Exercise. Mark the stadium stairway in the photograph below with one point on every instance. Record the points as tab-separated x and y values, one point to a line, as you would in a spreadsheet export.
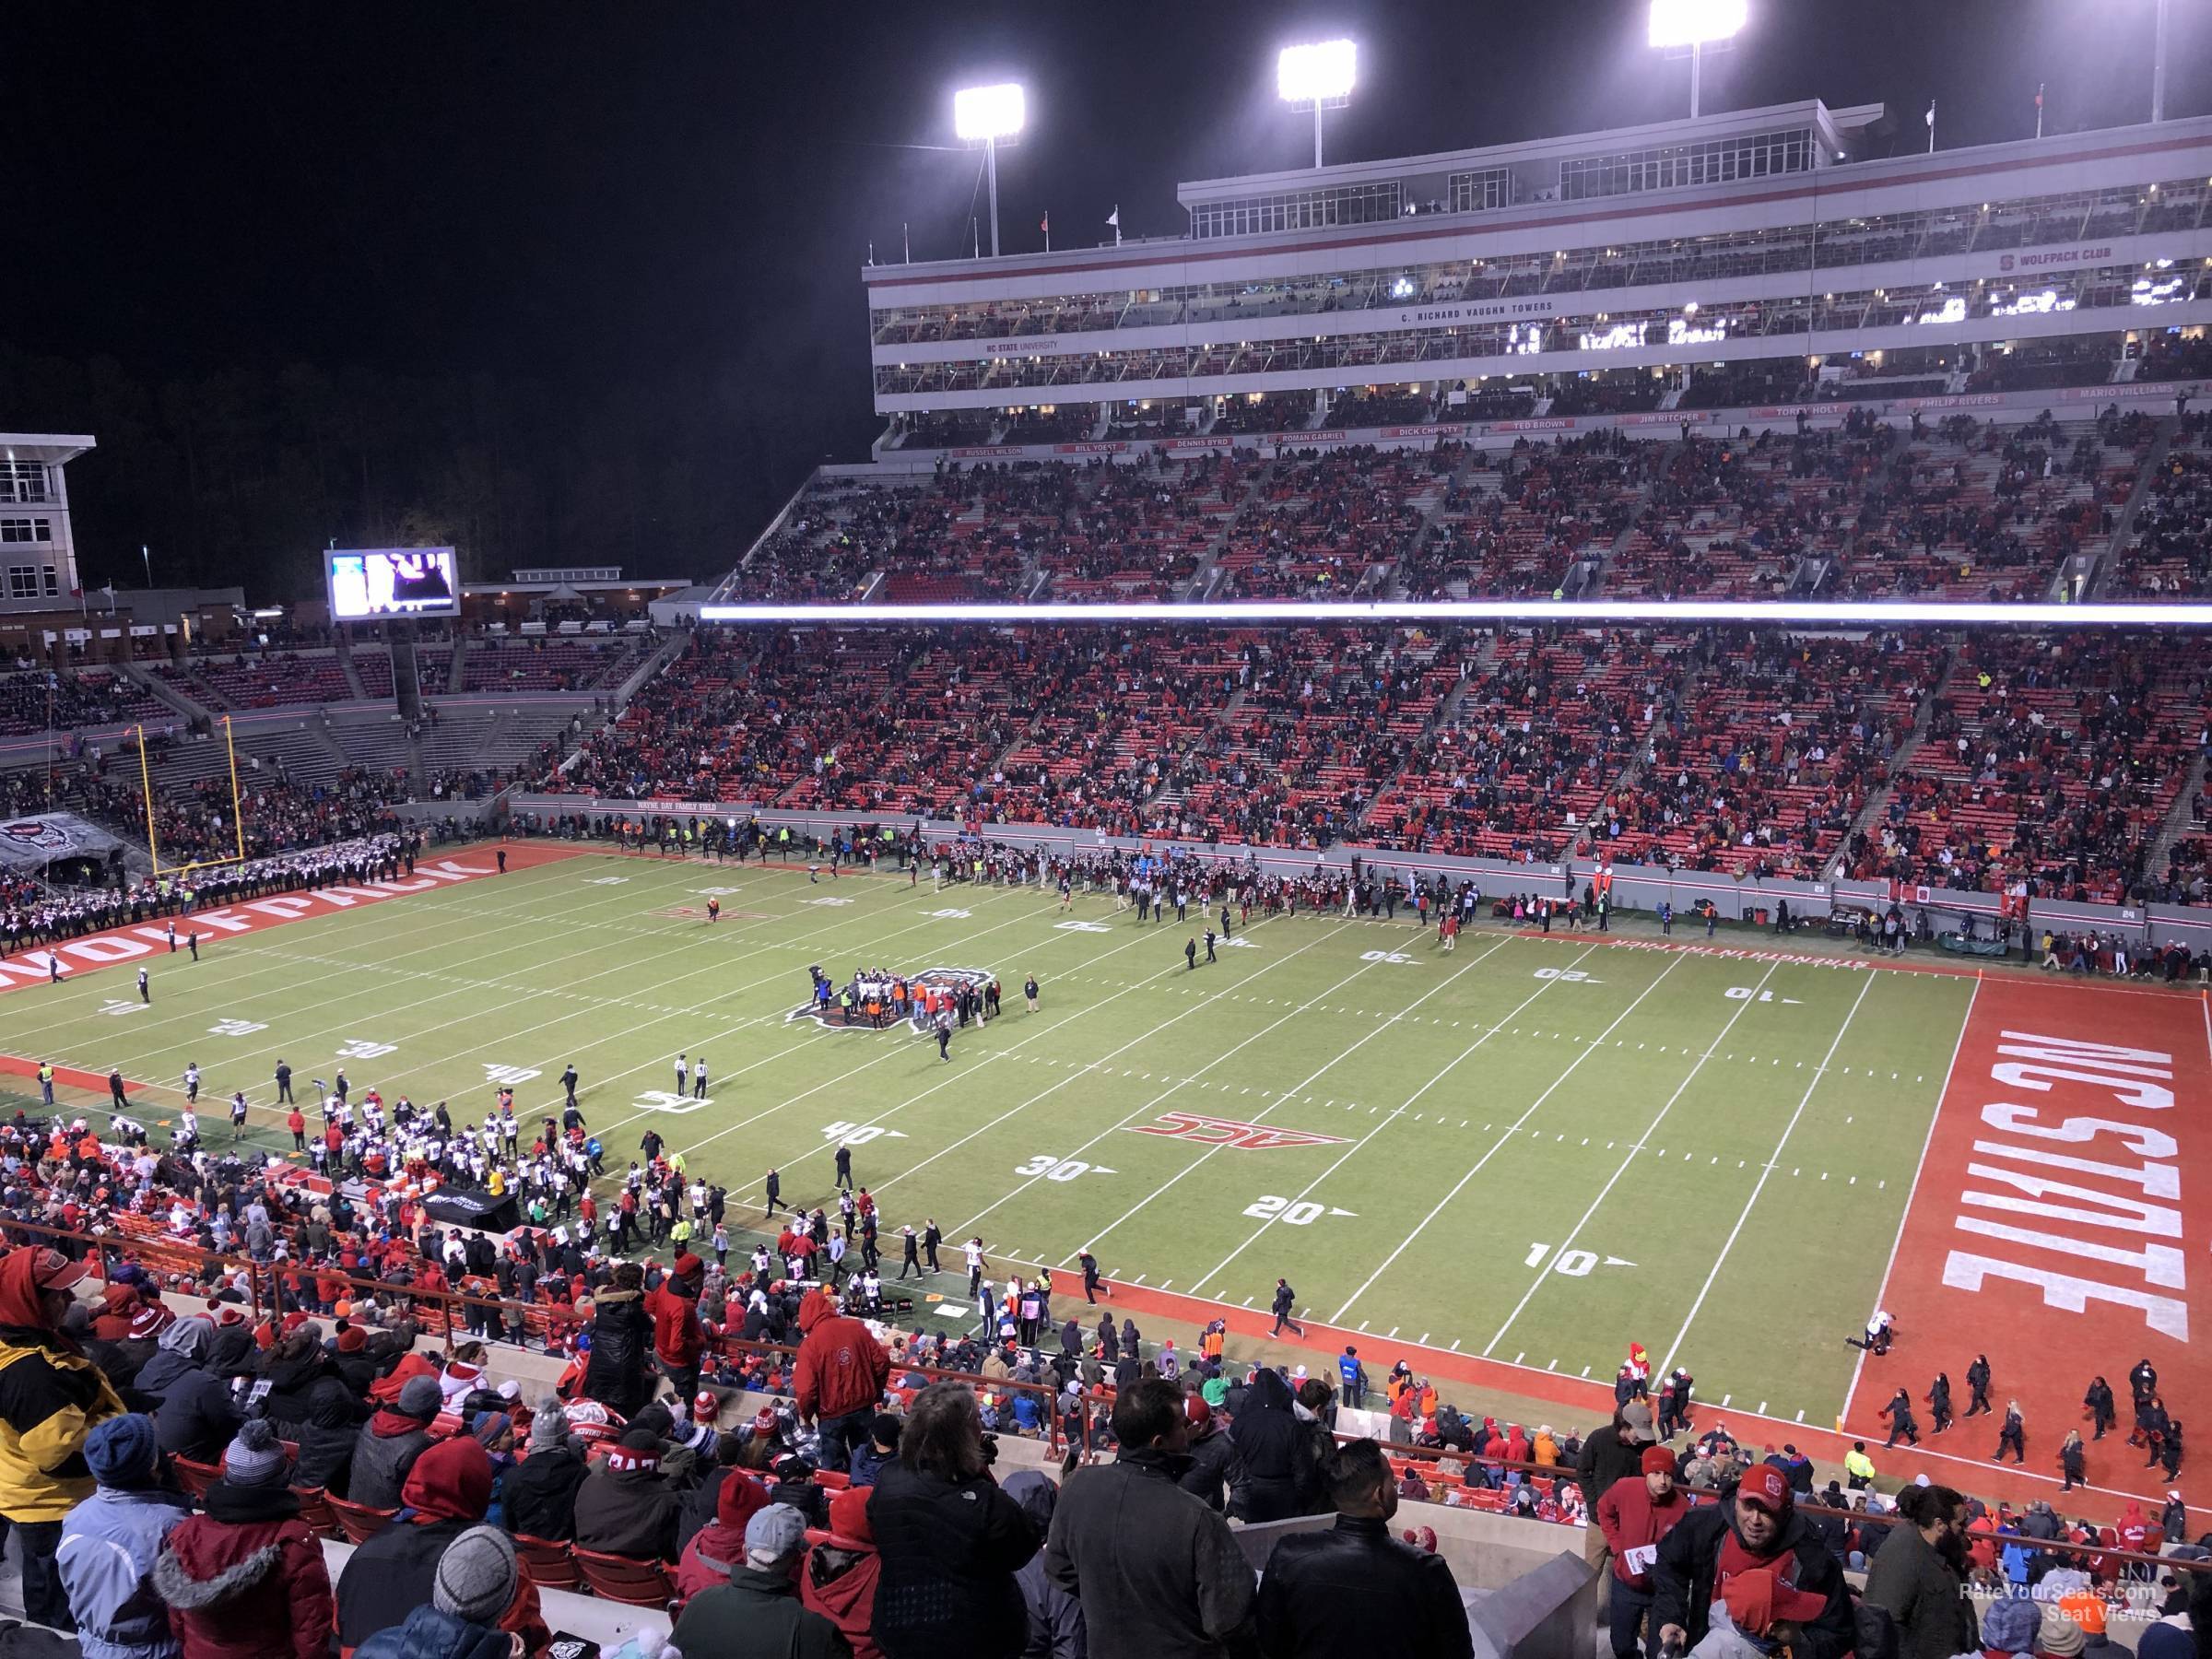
354	688
455	666
154	686
1878	803
1430	515
1444	714
2181	819
1201	584
321	725
2123	525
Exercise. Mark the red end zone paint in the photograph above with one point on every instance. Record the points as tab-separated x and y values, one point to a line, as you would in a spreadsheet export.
2059	1224
143	941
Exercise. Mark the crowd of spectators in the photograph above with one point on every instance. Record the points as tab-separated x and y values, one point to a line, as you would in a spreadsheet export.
2050	761
1753	752
38	700
2169	555
171	1473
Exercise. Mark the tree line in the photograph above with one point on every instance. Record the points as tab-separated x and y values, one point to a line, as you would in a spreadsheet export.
242	476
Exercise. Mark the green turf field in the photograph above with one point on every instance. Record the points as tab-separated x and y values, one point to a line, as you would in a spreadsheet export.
1533	1149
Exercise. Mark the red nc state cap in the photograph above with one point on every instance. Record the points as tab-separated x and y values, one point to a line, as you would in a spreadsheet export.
1766	1486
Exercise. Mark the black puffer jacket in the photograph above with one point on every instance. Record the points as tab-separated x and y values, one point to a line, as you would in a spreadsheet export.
539	1496
1278	1477
291	1381
950	1555
326	1438
617	1375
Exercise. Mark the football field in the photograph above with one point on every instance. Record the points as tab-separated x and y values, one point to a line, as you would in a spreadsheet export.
1531	1150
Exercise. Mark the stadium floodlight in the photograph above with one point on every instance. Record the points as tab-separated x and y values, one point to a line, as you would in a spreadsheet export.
1700	26
1320	74
984	114
990	116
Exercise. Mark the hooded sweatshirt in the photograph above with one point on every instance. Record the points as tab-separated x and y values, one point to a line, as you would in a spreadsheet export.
718	1547
839	1577
1277	1471
52	1397
180	1348
447	1492
841	1368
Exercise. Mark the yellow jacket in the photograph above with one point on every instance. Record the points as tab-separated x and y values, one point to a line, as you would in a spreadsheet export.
49	1401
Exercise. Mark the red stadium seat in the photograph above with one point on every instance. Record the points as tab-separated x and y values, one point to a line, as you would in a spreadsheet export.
550	1563
358	1520
618	1579
316	1513
196	1477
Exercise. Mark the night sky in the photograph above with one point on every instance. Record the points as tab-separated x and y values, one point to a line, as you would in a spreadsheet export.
654	215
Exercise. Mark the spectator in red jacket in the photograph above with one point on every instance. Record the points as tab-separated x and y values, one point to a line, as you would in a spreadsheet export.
677	1341
246	1579
718	1549
838	1578
1634	1516
840	1377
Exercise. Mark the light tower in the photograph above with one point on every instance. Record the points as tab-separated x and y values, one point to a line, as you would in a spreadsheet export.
1320	76
1699	25
990	116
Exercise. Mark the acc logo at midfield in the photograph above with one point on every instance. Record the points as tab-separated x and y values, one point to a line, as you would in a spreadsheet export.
879	990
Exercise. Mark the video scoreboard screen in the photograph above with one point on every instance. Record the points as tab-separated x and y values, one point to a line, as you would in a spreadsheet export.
371	584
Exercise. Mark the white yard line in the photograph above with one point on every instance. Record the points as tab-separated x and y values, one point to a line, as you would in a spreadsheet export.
1496	1146
1074	1073
1759	1185
253	962
1650	1129
523	993
526	994
1294	1091
1395	1113
895	1048
1905	1214
1086	1070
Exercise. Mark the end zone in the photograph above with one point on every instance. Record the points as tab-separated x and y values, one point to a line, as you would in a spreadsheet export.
2061	1198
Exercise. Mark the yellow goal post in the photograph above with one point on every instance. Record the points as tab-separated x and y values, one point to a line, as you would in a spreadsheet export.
153	838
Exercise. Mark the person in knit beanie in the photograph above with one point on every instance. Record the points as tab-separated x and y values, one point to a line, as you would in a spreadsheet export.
111	1542
537	1497
476	1579
448	1492
390	1442
256	1457
548	1425
247	1575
